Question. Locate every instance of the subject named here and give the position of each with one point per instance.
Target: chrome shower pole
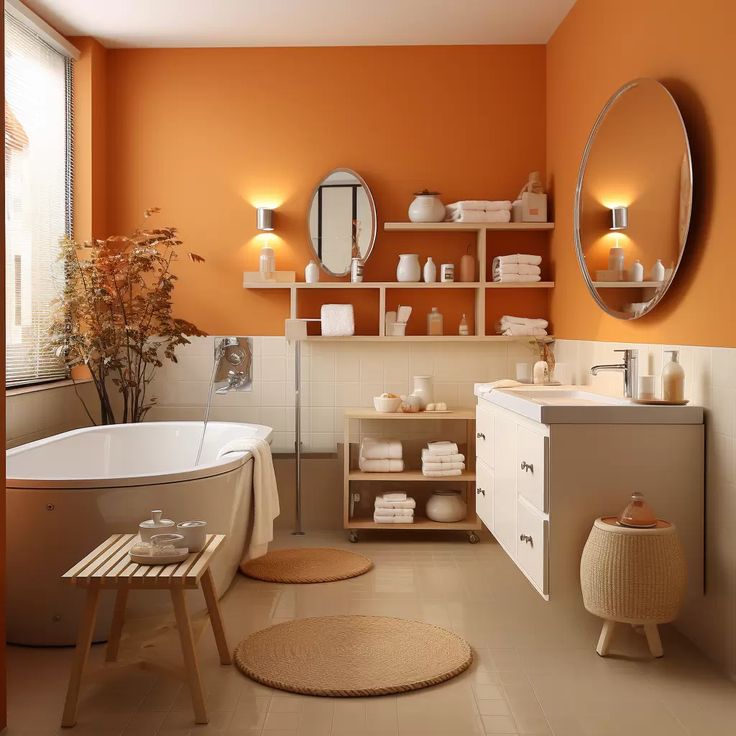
(298, 433)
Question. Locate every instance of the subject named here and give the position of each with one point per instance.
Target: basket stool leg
(604, 641)
(655, 643)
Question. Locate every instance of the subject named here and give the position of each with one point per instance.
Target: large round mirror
(633, 199)
(341, 218)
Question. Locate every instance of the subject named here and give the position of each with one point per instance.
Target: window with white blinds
(38, 171)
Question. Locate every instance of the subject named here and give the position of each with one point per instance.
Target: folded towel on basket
(409, 504)
(427, 456)
(384, 519)
(478, 216)
(479, 205)
(519, 258)
(442, 448)
(380, 466)
(518, 278)
(337, 320)
(442, 466)
(441, 473)
(381, 448)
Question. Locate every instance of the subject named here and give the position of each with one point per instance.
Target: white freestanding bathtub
(66, 494)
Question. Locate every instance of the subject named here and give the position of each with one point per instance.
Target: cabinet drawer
(484, 434)
(531, 545)
(484, 493)
(531, 466)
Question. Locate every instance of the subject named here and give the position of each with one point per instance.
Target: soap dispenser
(673, 379)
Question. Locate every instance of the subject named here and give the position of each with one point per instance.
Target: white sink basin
(578, 405)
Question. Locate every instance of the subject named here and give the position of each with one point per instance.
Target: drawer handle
(526, 538)
(480, 436)
(527, 467)
(478, 491)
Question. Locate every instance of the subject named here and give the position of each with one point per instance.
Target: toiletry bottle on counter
(541, 372)
(463, 329)
(430, 271)
(434, 322)
(673, 378)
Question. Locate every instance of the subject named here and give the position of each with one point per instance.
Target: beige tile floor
(535, 672)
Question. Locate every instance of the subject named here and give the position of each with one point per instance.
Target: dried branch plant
(115, 315)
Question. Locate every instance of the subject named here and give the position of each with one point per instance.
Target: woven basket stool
(633, 576)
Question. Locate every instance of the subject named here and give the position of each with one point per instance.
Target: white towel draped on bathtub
(265, 492)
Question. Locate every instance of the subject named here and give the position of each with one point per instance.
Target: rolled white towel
(525, 258)
(482, 205)
(522, 331)
(380, 466)
(381, 448)
(337, 320)
(394, 497)
(508, 320)
(507, 278)
(441, 473)
(478, 216)
(383, 519)
(410, 503)
(443, 466)
(442, 448)
(429, 457)
(403, 513)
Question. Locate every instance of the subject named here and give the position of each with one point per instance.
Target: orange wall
(689, 49)
(207, 134)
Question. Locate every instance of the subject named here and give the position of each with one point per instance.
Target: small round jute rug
(307, 565)
(352, 656)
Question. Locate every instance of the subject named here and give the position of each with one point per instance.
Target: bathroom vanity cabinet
(540, 486)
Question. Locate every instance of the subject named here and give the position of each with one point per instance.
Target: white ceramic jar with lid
(155, 525)
(426, 207)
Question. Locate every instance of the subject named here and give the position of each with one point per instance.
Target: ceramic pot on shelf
(408, 269)
(426, 207)
(423, 389)
(446, 506)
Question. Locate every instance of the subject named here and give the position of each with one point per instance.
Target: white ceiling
(185, 23)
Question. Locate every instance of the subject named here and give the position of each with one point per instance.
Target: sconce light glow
(264, 219)
(619, 218)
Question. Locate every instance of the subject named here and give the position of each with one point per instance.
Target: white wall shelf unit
(479, 287)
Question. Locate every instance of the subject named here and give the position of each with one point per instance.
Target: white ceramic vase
(311, 273)
(423, 389)
(446, 506)
(408, 268)
(426, 207)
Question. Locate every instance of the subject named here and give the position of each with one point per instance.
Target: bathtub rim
(234, 461)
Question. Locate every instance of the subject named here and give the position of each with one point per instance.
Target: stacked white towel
(479, 210)
(522, 326)
(442, 459)
(521, 267)
(394, 508)
(381, 455)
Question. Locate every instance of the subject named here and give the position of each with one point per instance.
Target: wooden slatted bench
(108, 567)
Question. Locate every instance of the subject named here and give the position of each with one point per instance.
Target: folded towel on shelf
(507, 278)
(381, 448)
(401, 513)
(509, 321)
(442, 448)
(523, 331)
(427, 456)
(337, 320)
(443, 466)
(519, 258)
(383, 519)
(441, 473)
(521, 268)
(478, 216)
(380, 466)
(409, 504)
(394, 497)
(479, 205)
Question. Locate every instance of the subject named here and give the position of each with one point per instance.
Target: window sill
(33, 387)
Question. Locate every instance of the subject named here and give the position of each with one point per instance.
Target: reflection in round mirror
(633, 199)
(342, 213)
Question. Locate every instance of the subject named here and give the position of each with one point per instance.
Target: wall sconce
(264, 219)
(619, 218)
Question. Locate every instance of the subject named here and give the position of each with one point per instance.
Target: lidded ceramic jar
(426, 207)
(446, 506)
(155, 525)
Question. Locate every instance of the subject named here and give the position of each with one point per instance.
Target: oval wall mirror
(633, 199)
(341, 213)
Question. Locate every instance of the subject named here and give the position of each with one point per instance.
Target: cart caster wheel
(473, 538)
(353, 536)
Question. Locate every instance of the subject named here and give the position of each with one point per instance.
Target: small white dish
(178, 556)
(386, 406)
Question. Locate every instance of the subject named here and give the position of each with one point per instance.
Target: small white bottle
(430, 271)
(673, 379)
(657, 271)
(637, 271)
(356, 270)
(311, 272)
(463, 329)
(541, 372)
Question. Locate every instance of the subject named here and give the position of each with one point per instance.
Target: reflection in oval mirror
(341, 211)
(633, 199)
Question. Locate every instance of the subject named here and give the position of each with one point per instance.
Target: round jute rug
(306, 565)
(352, 656)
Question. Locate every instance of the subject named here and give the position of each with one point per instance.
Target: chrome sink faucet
(629, 367)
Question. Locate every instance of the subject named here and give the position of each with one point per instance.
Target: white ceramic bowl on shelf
(386, 406)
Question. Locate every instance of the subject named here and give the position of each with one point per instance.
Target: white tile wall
(710, 381)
